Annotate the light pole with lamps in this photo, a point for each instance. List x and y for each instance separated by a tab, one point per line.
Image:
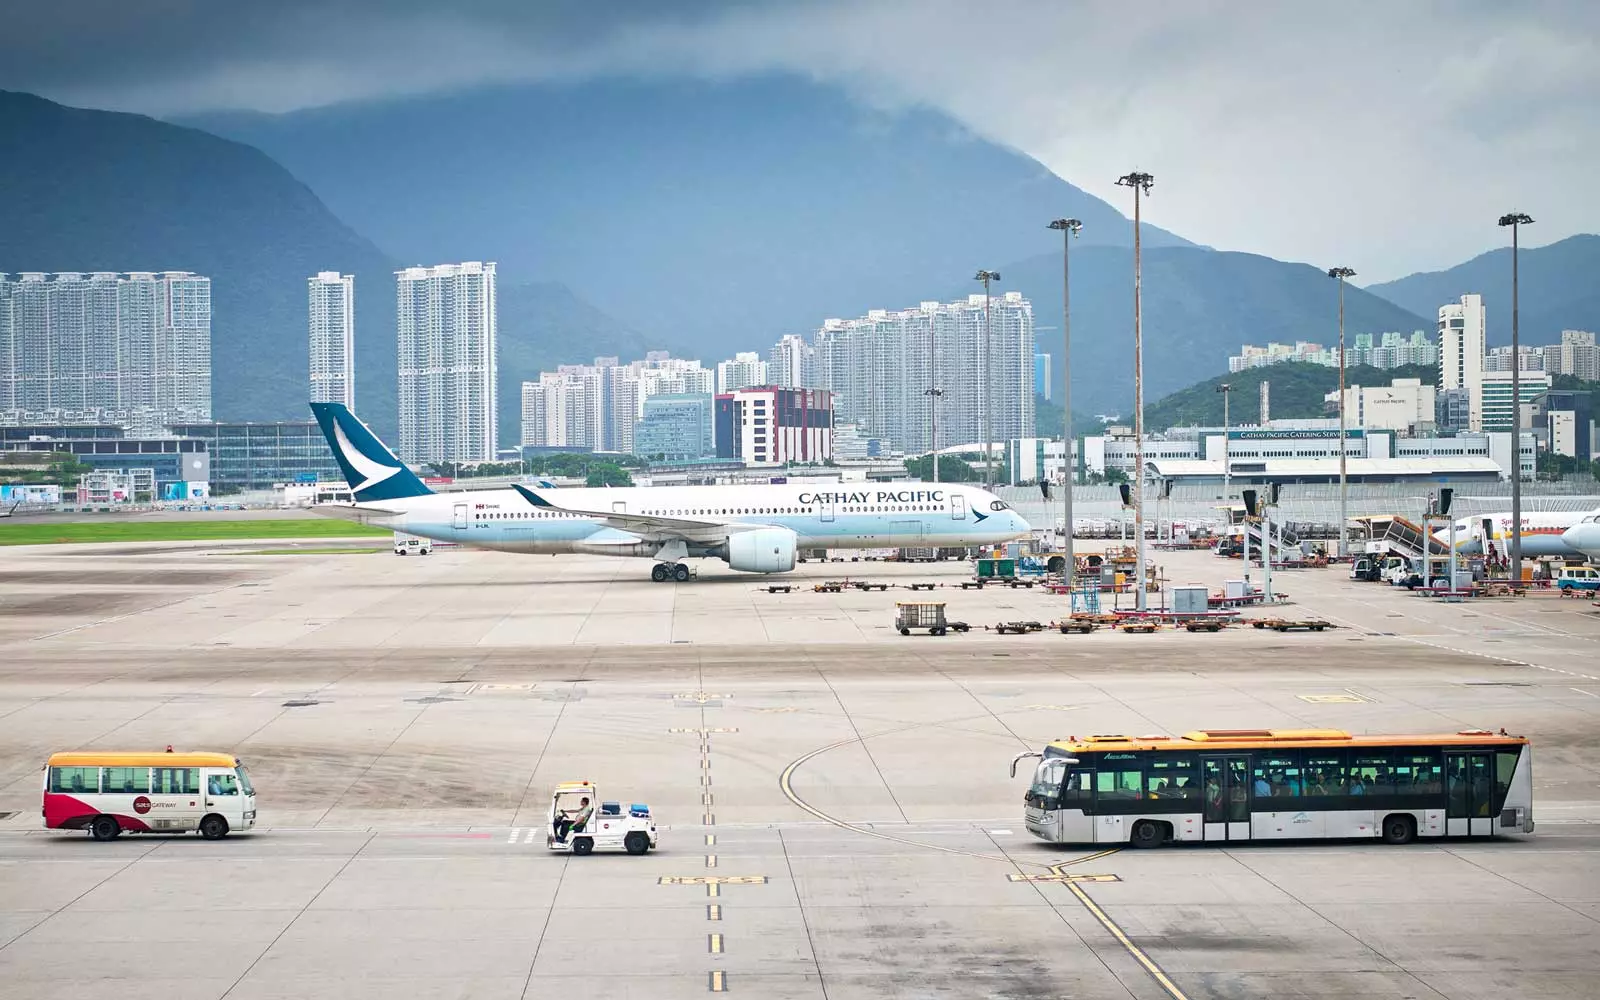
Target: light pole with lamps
1225	388
1340	274
1069	228
933	392
1515	220
988	382
1141	183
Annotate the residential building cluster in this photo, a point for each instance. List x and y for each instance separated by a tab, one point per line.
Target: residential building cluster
881	366
131	349
447	327
1389	350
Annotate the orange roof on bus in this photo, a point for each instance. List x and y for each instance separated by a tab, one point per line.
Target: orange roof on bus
1247	739
144	758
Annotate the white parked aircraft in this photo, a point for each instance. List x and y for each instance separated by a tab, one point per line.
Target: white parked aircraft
1543	534
1585	536
756	529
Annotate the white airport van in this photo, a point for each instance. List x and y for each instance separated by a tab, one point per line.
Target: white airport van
411	545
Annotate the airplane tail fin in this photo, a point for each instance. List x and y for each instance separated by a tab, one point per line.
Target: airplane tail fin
371	469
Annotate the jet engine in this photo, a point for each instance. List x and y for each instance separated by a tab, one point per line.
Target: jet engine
764	550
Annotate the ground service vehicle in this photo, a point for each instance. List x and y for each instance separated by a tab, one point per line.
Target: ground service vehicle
411	545
1578	578
1265	784
608	826
112	793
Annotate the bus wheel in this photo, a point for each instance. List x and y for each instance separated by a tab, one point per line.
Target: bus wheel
637	842
105	828
1399	829
1148	834
582	845
213	827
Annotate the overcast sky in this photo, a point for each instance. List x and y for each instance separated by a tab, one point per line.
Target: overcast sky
1386	136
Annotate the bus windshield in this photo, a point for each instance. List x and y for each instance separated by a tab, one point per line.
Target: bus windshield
1045	792
244	780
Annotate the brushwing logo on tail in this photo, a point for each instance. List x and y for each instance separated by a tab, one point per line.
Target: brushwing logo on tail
371	471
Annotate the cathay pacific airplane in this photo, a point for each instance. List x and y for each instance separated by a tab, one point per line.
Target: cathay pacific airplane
756	529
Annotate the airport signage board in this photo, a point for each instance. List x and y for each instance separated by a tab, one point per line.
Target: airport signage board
1304	435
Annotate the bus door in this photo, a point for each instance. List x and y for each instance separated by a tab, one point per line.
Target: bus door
459	520
1469	792
1226	783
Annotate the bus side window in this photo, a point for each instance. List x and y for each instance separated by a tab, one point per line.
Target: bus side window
1173	775
1324	774
1076	793
125	780
1278	775
177	781
1370	774
1121	777
1418	774
221	784
75	780
1505	767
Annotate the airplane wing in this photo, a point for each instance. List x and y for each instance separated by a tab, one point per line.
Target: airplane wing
359	513
648	526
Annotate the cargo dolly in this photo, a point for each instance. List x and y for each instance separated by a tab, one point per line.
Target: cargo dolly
1292	625
930	616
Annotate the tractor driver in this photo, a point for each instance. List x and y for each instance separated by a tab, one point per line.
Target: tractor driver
573	819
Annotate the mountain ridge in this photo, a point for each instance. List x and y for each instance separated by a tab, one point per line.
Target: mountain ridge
109	191
1557	289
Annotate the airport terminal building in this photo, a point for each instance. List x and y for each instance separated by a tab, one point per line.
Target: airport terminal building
1307	451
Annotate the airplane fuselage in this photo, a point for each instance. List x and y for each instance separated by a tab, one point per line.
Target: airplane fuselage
1543	535
834	515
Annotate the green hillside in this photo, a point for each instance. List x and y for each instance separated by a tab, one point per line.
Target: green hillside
1297	392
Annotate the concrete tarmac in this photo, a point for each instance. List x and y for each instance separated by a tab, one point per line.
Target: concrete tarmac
837	818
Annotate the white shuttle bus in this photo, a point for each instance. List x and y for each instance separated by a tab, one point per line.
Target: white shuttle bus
1265	784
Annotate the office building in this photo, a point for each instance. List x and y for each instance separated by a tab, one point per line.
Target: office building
598	407
256	455
1563	420
745	370
1406	406
130	349
447	362
676	427
878	369
169	463
1452	411
1307	451
1461	352
1495	396
333	338
1041	376
771	426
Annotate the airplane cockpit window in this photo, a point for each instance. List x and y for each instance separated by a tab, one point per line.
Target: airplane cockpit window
999	505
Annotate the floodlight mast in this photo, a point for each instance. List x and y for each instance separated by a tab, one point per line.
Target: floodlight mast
988	382
1340	274
1141	184
1069	228
1516	220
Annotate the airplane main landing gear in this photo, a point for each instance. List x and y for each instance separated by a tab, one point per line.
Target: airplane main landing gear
676	572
